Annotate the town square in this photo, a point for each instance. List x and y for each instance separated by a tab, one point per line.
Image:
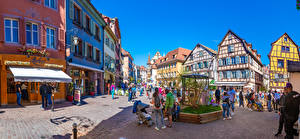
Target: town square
165	69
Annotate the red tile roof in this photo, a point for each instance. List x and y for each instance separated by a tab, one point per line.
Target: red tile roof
181	54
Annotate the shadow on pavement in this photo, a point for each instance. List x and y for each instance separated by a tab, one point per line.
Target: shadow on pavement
67	136
116	121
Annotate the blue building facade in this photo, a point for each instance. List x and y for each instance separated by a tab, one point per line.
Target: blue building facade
84	46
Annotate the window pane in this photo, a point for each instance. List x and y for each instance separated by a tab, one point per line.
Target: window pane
15	35
15	23
28	37
282	48
35	38
48	40
52	32
7	35
34	27
52	3
47	3
7	22
28	26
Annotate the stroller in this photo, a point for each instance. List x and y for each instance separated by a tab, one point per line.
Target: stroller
139	109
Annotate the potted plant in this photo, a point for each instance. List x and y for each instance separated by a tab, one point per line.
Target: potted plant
92	89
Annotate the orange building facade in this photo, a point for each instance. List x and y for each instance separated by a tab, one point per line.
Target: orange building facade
32	36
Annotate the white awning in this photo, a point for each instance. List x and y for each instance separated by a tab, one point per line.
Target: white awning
85	67
39	75
230	83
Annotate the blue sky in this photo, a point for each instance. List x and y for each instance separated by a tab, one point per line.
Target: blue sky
148	26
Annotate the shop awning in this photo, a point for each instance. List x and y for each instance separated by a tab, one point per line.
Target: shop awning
39	75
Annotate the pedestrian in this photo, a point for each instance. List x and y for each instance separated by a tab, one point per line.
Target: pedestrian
281	112
43	93
24	91
49	94
277	97
18	93
113	87
217	95
133	92
241	98
269	100
169	106
225	106
291	111
129	94
232	95
157	109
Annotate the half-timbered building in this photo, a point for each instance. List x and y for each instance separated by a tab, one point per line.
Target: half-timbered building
202	60
283	50
239	65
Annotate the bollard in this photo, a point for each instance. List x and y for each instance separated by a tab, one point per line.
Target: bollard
74	131
52	107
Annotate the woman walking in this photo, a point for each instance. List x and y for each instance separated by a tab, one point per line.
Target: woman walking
157	109
112	90
225	106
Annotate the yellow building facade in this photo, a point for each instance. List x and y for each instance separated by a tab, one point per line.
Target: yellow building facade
283	50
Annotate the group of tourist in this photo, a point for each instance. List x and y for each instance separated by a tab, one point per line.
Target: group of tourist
165	102
285	103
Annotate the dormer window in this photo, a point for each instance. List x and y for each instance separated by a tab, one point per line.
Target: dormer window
229	36
285	39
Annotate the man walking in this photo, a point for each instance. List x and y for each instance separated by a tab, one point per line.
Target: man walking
281	112
241	96
169	106
232	95
291	111
43	92
269	99
19	94
217	95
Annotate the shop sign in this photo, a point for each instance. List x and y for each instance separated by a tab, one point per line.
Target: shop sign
37	61
16	63
54	65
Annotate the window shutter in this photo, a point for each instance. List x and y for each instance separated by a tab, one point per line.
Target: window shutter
82	17
84	20
100	35
100	59
94	53
71	44
220	62
71	9
93	27
221	75
228	74
237	60
85	49
246	59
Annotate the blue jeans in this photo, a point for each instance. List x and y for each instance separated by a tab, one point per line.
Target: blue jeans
225	109
49	99
129	96
232	105
43	101
241	103
269	105
158	112
19	98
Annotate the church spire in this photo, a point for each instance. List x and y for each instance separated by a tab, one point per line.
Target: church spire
149	62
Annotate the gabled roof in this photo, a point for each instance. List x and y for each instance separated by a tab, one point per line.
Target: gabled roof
245	45
126	53
209	50
285	34
179	52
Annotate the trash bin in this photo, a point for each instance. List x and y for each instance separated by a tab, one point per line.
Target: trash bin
77	96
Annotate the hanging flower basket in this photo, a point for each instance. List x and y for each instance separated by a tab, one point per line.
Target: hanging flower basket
34	52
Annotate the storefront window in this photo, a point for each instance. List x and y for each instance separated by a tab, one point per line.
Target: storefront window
10	84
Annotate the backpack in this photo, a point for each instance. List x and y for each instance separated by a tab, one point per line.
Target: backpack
157	101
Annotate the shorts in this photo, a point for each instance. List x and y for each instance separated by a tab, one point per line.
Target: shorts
252	101
169	111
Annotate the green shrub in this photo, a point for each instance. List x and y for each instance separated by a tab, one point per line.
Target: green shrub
201	109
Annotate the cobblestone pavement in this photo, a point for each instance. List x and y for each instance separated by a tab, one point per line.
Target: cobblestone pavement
31	122
244	125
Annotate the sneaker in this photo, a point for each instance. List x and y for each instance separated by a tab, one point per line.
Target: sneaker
277	134
156	128
229	118
163	127
224	119
232	113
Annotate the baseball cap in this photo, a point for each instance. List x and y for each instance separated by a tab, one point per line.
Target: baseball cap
289	85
